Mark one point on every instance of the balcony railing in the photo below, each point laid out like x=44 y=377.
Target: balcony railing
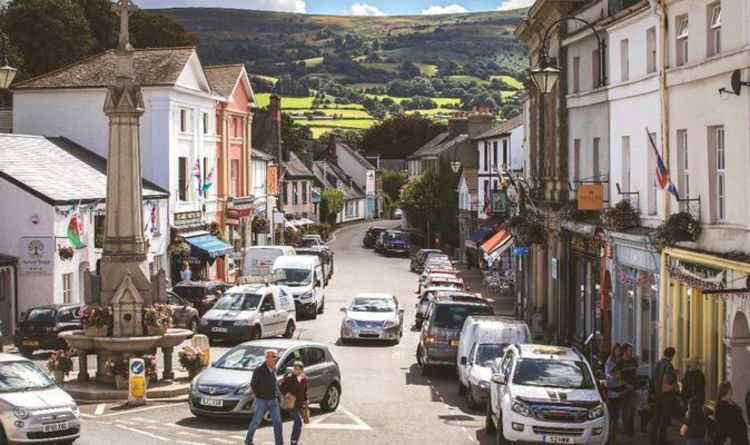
x=634 y=198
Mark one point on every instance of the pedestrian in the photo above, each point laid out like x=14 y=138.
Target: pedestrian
x=266 y=390
x=696 y=425
x=731 y=428
x=185 y=273
x=469 y=258
x=613 y=360
x=628 y=366
x=665 y=396
x=693 y=382
x=616 y=389
x=296 y=384
x=644 y=401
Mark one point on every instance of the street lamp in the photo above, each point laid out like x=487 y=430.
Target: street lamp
x=7 y=74
x=455 y=166
x=545 y=76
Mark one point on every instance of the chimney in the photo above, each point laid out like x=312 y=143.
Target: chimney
x=480 y=121
x=332 y=155
x=457 y=125
x=276 y=148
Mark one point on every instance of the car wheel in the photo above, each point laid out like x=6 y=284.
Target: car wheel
x=289 y=332
x=3 y=439
x=194 y=326
x=489 y=424
x=332 y=398
x=255 y=333
x=322 y=305
x=470 y=398
x=26 y=352
x=314 y=314
x=461 y=388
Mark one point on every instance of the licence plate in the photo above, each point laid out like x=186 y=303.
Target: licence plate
x=453 y=342
x=219 y=330
x=52 y=427
x=557 y=439
x=368 y=332
x=30 y=343
x=212 y=402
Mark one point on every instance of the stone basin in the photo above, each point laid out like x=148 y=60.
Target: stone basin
x=79 y=340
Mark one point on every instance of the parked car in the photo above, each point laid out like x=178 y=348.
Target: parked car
x=312 y=241
x=224 y=388
x=438 y=340
x=201 y=294
x=251 y=311
x=483 y=339
x=423 y=302
x=419 y=258
x=304 y=277
x=259 y=259
x=373 y=317
x=445 y=281
x=545 y=394
x=395 y=242
x=325 y=256
x=32 y=408
x=185 y=316
x=39 y=328
x=371 y=236
x=437 y=268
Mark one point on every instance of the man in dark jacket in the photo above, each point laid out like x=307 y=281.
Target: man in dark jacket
x=666 y=397
x=265 y=387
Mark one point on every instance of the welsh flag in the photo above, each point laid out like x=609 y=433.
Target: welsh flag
x=75 y=231
x=209 y=181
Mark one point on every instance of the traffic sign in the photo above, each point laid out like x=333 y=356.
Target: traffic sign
x=137 y=382
x=521 y=251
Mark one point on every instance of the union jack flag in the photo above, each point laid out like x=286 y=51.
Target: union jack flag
x=662 y=180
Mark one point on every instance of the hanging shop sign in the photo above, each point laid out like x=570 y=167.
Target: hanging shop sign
x=703 y=273
x=36 y=256
x=315 y=195
x=499 y=201
x=272 y=180
x=591 y=197
x=521 y=251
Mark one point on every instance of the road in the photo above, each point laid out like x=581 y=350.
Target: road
x=385 y=400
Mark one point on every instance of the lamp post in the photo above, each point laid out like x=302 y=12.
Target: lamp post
x=7 y=72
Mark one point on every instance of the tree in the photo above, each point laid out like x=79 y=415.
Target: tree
x=421 y=202
x=49 y=33
x=331 y=203
x=103 y=22
x=398 y=137
x=296 y=138
x=152 y=30
x=393 y=181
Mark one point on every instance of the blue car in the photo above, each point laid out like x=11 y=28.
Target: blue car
x=395 y=242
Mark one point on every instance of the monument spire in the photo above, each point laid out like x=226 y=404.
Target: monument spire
x=124 y=8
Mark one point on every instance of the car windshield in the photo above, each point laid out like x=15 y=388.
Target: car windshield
x=238 y=302
x=190 y=292
x=397 y=236
x=486 y=354
x=309 y=242
x=446 y=285
x=364 y=304
x=452 y=316
x=41 y=314
x=244 y=358
x=22 y=376
x=296 y=277
x=553 y=374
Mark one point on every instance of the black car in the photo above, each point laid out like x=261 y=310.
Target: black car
x=324 y=254
x=419 y=258
x=39 y=327
x=201 y=294
x=371 y=236
x=395 y=242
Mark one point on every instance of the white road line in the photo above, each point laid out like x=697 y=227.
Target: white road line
x=163 y=439
x=238 y=437
x=133 y=411
x=141 y=419
x=100 y=409
x=220 y=440
x=182 y=442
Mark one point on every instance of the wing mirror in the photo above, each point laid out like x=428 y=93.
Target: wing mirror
x=499 y=379
x=419 y=316
x=463 y=361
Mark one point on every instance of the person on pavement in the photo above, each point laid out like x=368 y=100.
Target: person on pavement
x=696 y=425
x=613 y=360
x=185 y=273
x=731 y=428
x=616 y=389
x=628 y=367
x=693 y=382
x=266 y=390
x=296 y=384
x=666 y=397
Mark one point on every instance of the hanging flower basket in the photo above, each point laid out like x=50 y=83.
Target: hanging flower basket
x=620 y=217
x=678 y=227
x=260 y=224
x=178 y=248
x=527 y=230
x=65 y=252
x=570 y=213
x=215 y=230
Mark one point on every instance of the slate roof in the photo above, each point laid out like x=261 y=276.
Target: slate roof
x=356 y=155
x=57 y=170
x=295 y=168
x=393 y=164
x=153 y=67
x=260 y=154
x=426 y=148
x=470 y=174
x=502 y=129
x=343 y=183
x=223 y=78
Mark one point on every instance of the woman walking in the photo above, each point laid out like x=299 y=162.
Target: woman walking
x=613 y=361
x=296 y=384
x=731 y=428
x=693 y=382
x=695 y=428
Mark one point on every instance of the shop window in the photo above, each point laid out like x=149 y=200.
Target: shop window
x=682 y=39
x=67 y=288
x=714 y=29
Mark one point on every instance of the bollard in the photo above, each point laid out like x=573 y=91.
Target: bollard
x=137 y=382
x=201 y=341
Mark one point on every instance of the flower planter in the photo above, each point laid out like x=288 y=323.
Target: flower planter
x=194 y=372
x=155 y=330
x=59 y=377
x=121 y=382
x=96 y=331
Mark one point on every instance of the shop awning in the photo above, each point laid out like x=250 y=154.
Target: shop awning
x=495 y=241
x=210 y=245
x=488 y=227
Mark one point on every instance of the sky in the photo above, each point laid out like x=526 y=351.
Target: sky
x=348 y=7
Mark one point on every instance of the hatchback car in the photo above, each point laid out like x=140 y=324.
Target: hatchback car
x=32 y=408
x=373 y=317
x=39 y=328
x=201 y=294
x=395 y=242
x=185 y=316
x=419 y=258
x=371 y=236
x=224 y=388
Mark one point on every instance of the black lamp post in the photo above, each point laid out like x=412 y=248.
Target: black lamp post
x=7 y=72
x=545 y=76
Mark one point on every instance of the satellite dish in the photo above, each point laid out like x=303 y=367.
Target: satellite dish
x=736 y=82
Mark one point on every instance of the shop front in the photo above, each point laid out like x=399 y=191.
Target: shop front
x=238 y=219
x=486 y=229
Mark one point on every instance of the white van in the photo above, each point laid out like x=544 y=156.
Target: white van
x=483 y=339
x=259 y=259
x=304 y=276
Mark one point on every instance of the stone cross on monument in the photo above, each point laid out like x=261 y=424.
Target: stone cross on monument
x=124 y=8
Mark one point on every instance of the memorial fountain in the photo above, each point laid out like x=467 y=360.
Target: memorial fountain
x=124 y=282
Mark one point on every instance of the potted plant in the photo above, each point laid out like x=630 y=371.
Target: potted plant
x=192 y=359
x=571 y=213
x=157 y=318
x=260 y=224
x=151 y=367
x=526 y=230
x=621 y=217
x=65 y=252
x=60 y=363
x=178 y=248
x=96 y=320
x=118 y=368
x=678 y=227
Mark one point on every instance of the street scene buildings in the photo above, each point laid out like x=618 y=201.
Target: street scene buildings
x=514 y=222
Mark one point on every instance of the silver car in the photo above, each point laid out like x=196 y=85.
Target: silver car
x=224 y=388
x=32 y=408
x=373 y=317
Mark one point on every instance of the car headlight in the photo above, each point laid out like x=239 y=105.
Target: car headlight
x=521 y=408
x=21 y=412
x=76 y=410
x=204 y=322
x=596 y=412
x=349 y=322
x=242 y=323
x=244 y=390
x=306 y=296
x=390 y=324
x=484 y=384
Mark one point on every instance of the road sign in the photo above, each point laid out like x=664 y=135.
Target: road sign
x=137 y=383
x=521 y=251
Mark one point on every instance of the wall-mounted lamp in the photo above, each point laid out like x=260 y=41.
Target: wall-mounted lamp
x=35 y=218
x=736 y=83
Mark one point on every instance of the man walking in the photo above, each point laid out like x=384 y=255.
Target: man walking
x=665 y=390
x=628 y=367
x=266 y=390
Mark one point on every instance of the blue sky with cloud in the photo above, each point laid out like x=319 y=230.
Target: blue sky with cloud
x=357 y=7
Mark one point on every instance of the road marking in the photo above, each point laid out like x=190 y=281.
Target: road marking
x=182 y=442
x=133 y=411
x=141 y=419
x=163 y=439
x=100 y=409
x=396 y=355
x=220 y=440
x=359 y=425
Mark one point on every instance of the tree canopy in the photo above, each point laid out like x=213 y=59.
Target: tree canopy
x=331 y=203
